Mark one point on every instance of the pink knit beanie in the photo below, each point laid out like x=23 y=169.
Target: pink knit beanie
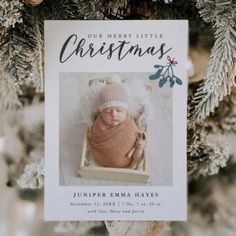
x=113 y=95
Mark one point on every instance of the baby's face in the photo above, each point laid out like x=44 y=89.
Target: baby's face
x=114 y=115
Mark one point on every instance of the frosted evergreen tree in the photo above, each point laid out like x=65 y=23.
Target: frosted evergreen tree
x=22 y=83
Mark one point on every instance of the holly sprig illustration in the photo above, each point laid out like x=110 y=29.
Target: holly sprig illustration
x=166 y=74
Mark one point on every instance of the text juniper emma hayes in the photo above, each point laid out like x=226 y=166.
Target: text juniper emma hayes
x=115 y=194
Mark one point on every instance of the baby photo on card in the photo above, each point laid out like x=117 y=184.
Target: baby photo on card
x=115 y=120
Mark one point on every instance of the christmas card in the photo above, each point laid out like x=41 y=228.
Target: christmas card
x=115 y=120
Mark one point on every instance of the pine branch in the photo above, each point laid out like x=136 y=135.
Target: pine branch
x=209 y=162
x=33 y=176
x=224 y=118
x=17 y=48
x=221 y=71
x=38 y=55
x=21 y=55
x=38 y=65
x=8 y=96
x=61 y=9
x=93 y=9
x=204 y=159
x=10 y=13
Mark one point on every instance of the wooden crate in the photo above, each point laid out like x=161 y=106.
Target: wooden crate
x=112 y=174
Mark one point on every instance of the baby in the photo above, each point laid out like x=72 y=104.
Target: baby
x=113 y=133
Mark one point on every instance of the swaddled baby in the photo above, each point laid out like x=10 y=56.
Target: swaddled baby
x=113 y=133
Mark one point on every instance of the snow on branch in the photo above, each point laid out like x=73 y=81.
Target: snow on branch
x=221 y=71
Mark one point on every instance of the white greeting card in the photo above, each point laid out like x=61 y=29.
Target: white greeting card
x=115 y=120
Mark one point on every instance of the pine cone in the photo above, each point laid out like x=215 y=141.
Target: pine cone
x=32 y=2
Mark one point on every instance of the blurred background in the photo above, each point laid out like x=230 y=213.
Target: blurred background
x=211 y=114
